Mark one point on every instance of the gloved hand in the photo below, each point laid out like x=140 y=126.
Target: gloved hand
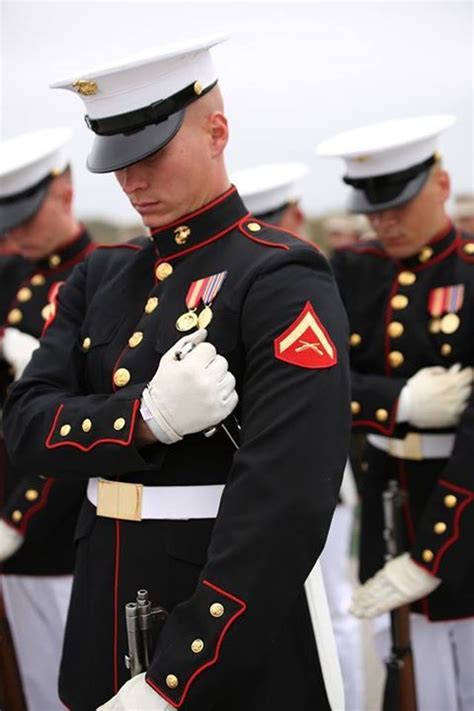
x=10 y=541
x=400 y=581
x=189 y=395
x=435 y=397
x=136 y=695
x=17 y=348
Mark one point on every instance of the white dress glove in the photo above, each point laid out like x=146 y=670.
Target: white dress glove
x=17 y=348
x=10 y=541
x=189 y=395
x=400 y=581
x=136 y=695
x=435 y=397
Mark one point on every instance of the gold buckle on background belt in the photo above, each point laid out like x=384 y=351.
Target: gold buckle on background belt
x=118 y=499
x=408 y=448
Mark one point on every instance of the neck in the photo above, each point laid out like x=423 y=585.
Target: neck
x=72 y=229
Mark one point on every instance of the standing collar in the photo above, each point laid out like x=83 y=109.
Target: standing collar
x=197 y=228
x=435 y=251
x=69 y=252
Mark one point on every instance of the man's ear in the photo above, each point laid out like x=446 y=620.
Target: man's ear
x=444 y=184
x=218 y=132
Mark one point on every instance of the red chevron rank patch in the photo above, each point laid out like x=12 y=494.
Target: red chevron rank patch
x=306 y=342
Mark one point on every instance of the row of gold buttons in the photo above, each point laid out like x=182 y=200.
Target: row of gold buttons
x=86 y=426
x=197 y=645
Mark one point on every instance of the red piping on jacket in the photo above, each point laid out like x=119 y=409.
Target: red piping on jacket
x=388 y=430
x=109 y=440
x=447 y=544
x=280 y=229
x=198 y=671
x=175 y=255
x=41 y=503
x=189 y=216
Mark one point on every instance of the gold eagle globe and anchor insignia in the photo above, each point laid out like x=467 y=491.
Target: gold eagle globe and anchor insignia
x=182 y=234
x=85 y=87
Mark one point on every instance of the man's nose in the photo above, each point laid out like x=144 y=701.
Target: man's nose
x=131 y=178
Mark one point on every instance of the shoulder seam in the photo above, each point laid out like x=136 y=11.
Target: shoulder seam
x=275 y=245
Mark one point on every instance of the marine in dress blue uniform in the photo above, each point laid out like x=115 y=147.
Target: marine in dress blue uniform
x=408 y=295
x=229 y=569
x=38 y=512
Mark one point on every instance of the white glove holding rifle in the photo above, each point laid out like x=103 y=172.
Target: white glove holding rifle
x=191 y=391
x=399 y=582
x=435 y=397
x=136 y=695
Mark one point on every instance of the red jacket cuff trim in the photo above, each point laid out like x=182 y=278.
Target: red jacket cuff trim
x=386 y=430
x=177 y=703
x=95 y=443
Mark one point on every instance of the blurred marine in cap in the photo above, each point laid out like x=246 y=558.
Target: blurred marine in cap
x=409 y=296
x=217 y=317
x=38 y=514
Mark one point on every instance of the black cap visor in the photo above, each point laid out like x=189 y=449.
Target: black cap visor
x=373 y=199
x=13 y=212
x=111 y=153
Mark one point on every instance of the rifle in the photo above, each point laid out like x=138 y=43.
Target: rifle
x=400 y=689
x=11 y=691
x=144 y=624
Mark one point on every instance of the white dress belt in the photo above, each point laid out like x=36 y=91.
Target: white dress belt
x=172 y=502
x=415 y=446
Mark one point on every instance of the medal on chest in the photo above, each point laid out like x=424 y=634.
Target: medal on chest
x=444 y=304
x=200 y=292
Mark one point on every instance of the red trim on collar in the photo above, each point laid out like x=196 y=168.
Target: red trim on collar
x=230 y=621
x=196 y=246
x=439 y=257
x=199 y=211
x=107 y=440
x=442 y=233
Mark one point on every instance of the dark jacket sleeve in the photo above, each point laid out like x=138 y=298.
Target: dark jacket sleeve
x=50 y=423
x=40 y=504
x=279 y=498
x=443 y=544
x=375 y=398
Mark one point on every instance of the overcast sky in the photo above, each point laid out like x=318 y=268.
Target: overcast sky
x=292 y=74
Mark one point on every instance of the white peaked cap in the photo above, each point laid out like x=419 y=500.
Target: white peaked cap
x=269 y=186
x=135 y=106
x=25 y=160
x=388 y=147
x=28 y=163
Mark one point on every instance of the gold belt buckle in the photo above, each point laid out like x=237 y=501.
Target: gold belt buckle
x=408 y=448
x=119 y=499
